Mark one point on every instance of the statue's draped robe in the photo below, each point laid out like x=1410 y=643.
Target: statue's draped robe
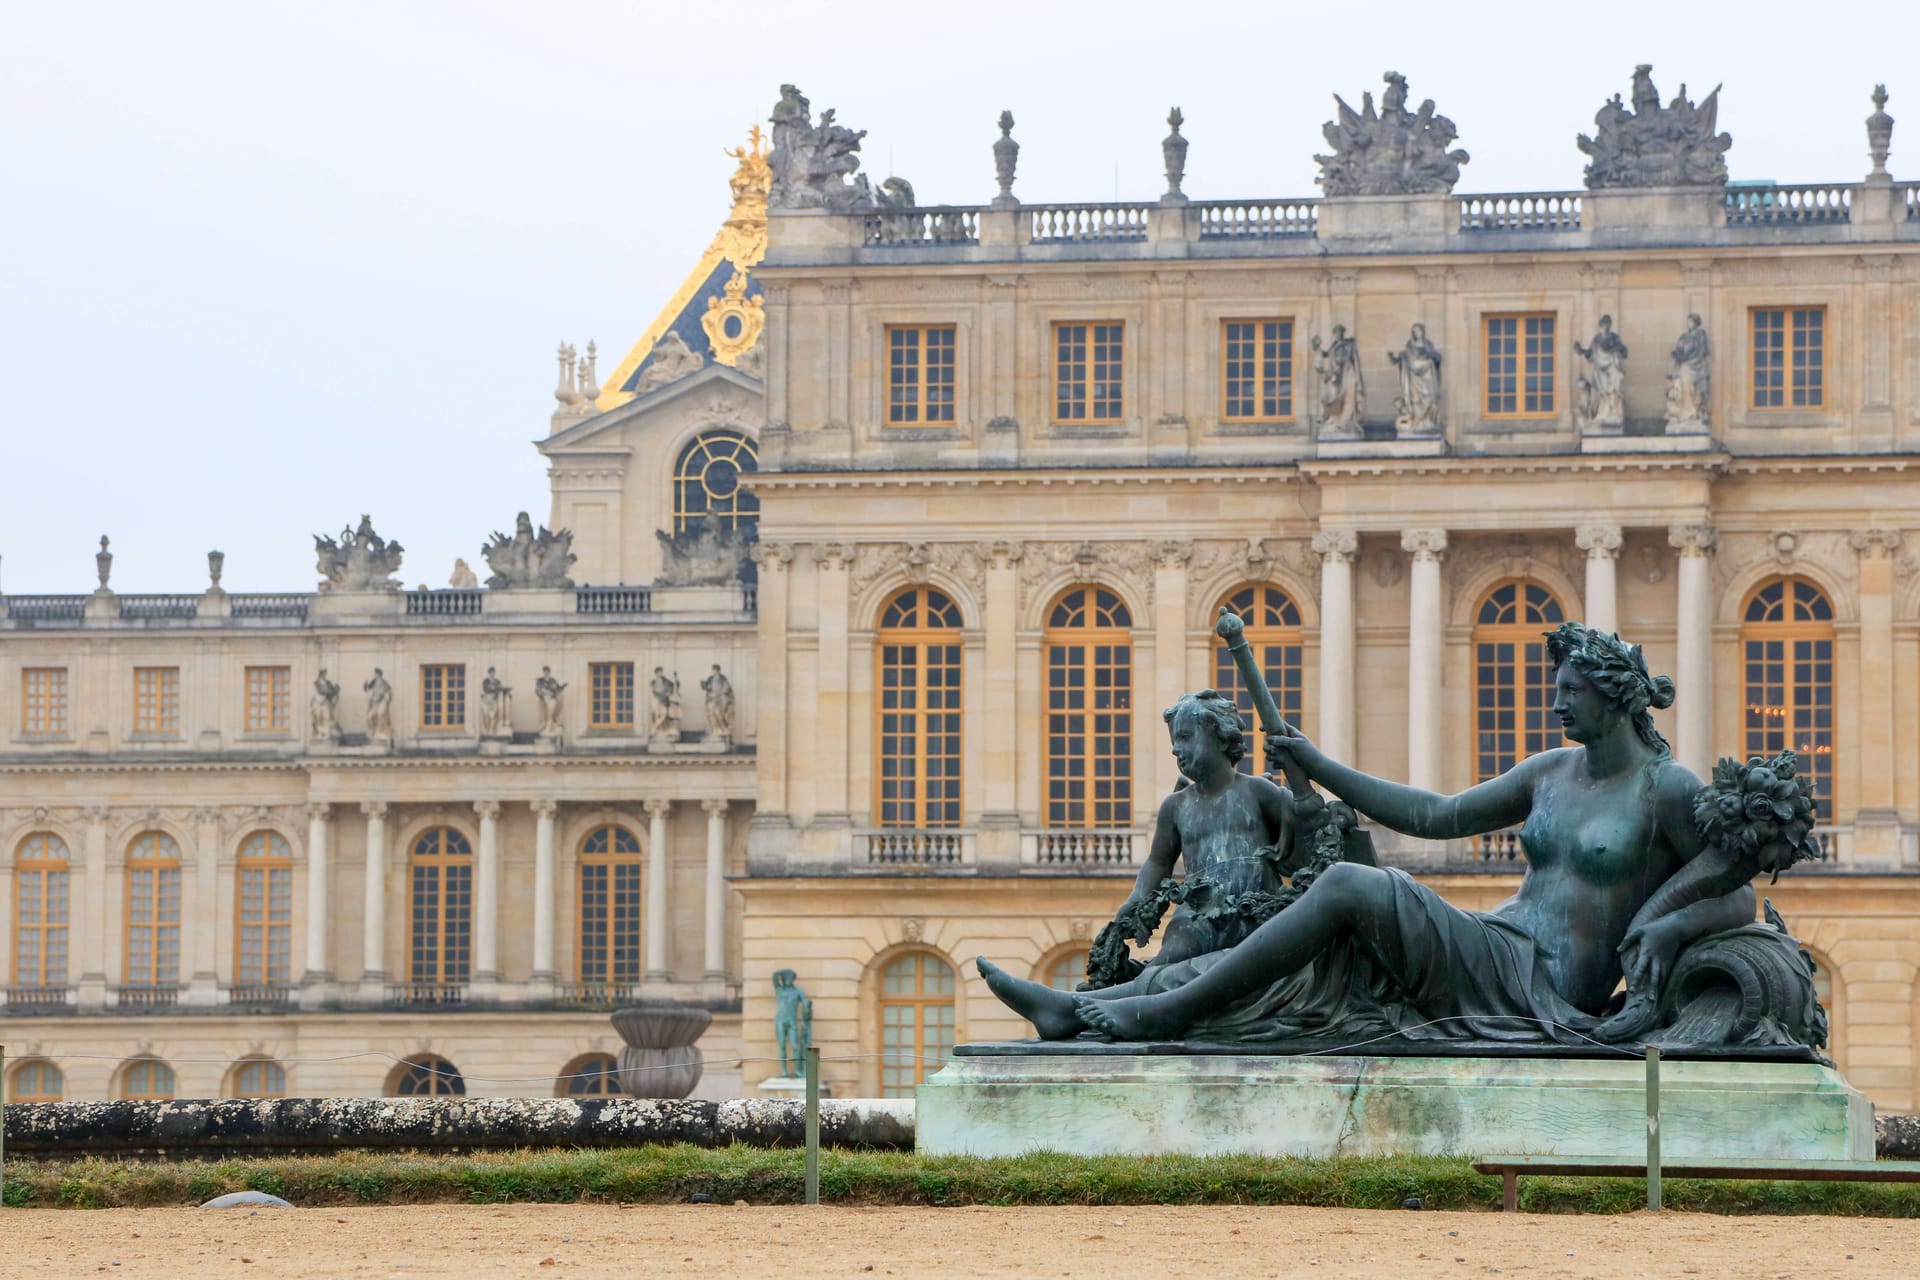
x=1463 y=975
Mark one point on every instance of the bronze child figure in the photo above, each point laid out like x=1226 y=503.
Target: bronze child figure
x=1233 y=831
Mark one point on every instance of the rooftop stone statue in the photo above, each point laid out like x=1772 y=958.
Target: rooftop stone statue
x=361 y=560
x=1392 y=152
x=529 y=559
x=1625 y=878
x=816 y=166
x=1655 y=146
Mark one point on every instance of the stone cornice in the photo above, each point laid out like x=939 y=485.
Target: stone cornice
x=738 y=758
x=1061 y=478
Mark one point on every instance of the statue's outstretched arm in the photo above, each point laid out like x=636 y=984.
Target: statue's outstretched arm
x=1497 y=803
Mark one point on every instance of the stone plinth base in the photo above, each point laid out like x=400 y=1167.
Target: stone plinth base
x=1646 y=444
x=1149 y=1104
x=1403 y=447
x=793 y=1087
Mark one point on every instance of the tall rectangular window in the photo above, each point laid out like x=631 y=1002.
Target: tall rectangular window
x=1521 y=368
x=1089 y=373
x=1789 y=357
x=43 y=700
x=156 y=699
x=269 y=699
x=443 y=695
x=610 y=695
x=1257 y=370
x=920 y=363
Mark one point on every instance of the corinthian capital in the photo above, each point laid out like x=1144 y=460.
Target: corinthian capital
x=1339 y=545
x=1601 y=541
x=833 y=556
x=487 y=810
x=1691 y=539
x=1875 y=544
x=1424 y=544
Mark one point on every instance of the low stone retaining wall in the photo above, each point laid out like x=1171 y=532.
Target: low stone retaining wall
x=223 y=1127
x=194 y=1129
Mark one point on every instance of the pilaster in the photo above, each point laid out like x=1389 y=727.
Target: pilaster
x=1693 y=673
x=1876 y=822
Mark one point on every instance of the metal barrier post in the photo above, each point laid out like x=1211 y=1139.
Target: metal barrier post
x=813 y=1125
x=1653 y=1127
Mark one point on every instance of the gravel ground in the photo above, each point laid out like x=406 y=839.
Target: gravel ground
x=793 y=1243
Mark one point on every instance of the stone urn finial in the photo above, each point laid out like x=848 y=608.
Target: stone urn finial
x=659 y=1059
x=1879 y=132
x=1006 y=154
x=1174 y=150
x=216 y=565
x=103 y=562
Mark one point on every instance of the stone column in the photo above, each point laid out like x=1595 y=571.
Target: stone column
x=1601 y=542
x=373 y=928
x=87 y=892
x=770 y=677
x=1169 y=651
x=199 y=909
x=829 y=752
x=544 y=821
x=319 y=973
x=1876 y=819
x=716 y=889
x=486 y=894
x=656 y=924
x=1426 y=637
x=1335 y=730
x=1693 y=670
x=998 y=741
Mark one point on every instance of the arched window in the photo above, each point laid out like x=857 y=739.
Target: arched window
x=916 y=1021
x=1272 y=622
x=706 y=483
x=1786 y=639
x=1513 y=677
x=41 y=882
x=146 y=1079
x=1069 y=971
x=263 y=914
x=917 y=776
x=609 y=877
x=258 y=1078
x=591 y=1075
x=1089 y=674
x=36 y=1080
x=153 y=911
x=426 y=1075
x=440 y=881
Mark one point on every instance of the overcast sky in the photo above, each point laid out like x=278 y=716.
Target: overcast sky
x=266 y=266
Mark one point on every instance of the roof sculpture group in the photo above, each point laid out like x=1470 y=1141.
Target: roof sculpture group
x=1383 y=150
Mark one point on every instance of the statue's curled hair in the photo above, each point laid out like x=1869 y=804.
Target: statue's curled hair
x=1218 y=708
x=1618 y=670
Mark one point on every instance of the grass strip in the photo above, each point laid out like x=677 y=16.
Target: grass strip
x=758 y=1175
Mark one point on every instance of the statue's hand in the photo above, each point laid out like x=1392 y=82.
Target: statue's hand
x=1647 y=955
x=1291 y=748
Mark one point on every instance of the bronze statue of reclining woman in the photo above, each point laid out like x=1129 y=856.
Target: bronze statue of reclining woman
x=1616 y=885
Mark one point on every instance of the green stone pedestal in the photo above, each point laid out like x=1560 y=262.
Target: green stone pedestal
x=1111 y=1103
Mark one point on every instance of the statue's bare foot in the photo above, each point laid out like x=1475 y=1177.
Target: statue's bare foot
x=1050 y=1011
x=1127 y=1018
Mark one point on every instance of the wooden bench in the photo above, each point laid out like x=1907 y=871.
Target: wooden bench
x=1511 y=1167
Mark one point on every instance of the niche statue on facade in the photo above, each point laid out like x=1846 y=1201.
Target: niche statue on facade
x=529 y=559
x=1690 y=381
x=360 y=560
x=1392 y=152
x=1602 y=406
x=323 y=709
x=1417 y=409
x=496 y=707
x=1343 y=391
x=379 y=707
x=719 y=691
x=547 y=691
x=664 y=715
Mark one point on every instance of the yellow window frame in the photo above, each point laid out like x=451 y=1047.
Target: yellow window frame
x=1549 y=357
x=1279 y=331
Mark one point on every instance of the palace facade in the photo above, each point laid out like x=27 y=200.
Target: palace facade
x=951 y=497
